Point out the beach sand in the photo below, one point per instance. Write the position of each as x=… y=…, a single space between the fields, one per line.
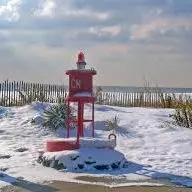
x=59 y=186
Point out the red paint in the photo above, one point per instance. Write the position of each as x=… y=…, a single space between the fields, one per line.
x=60 y=145
x=81 y=57
x=80 y=81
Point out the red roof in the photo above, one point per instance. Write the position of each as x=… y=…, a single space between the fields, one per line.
x=81 y=57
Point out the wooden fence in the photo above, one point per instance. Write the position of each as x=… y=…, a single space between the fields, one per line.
x=22 y=93
x=136 y=99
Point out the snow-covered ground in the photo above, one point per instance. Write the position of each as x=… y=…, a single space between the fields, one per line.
x=153 y=146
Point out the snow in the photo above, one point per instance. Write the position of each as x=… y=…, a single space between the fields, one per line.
x=153 y=146
x=138 y=184
x=83 y=94
x=89 y=142
x=87 y=159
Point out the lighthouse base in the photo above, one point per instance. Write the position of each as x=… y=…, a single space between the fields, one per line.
x=84 y=142
x=84 y=160
x=61 y=145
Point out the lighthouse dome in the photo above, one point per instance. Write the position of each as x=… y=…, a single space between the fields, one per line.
x=81 y=57
x=81 y=61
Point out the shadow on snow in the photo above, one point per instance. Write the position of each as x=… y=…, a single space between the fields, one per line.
x=145 y=170
x=24 y=184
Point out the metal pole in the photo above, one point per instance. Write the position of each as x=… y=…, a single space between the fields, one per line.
x=82 y=120
x=93 y=124
x=79 y=122
x=68 y=114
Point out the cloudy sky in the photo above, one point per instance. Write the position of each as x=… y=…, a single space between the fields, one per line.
x=127 y=41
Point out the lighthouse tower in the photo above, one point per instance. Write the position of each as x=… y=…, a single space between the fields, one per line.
x=80 y=92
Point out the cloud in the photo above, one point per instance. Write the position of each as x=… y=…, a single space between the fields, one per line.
x=58 y=23
x=10 y=10
x=105 y=31
x=179 y=7
x=100 y=35
x=160 y=26
x=140 y=35
x=85 y=13
x=51 y=8
x=47 y=9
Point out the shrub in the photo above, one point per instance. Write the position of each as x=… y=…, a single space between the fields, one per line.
x=112 y=124
x=33 y=94
x=4 y=101
x=55 y=116
x=183 y=113
x=164 y=100
x=98 y=94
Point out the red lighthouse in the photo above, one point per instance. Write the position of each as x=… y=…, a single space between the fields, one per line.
x=81 y=92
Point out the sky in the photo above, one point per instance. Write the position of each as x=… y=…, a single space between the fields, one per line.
x=128 y=42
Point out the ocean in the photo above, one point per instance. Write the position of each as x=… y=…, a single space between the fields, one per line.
x=143 y=89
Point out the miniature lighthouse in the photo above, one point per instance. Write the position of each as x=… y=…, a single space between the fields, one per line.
x=81 y=92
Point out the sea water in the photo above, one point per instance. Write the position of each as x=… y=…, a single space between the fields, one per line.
x=144 y=89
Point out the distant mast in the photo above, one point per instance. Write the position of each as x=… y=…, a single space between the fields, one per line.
x=81 y=61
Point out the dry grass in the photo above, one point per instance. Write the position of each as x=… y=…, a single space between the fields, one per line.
x=112 y=124
x=183 y=112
